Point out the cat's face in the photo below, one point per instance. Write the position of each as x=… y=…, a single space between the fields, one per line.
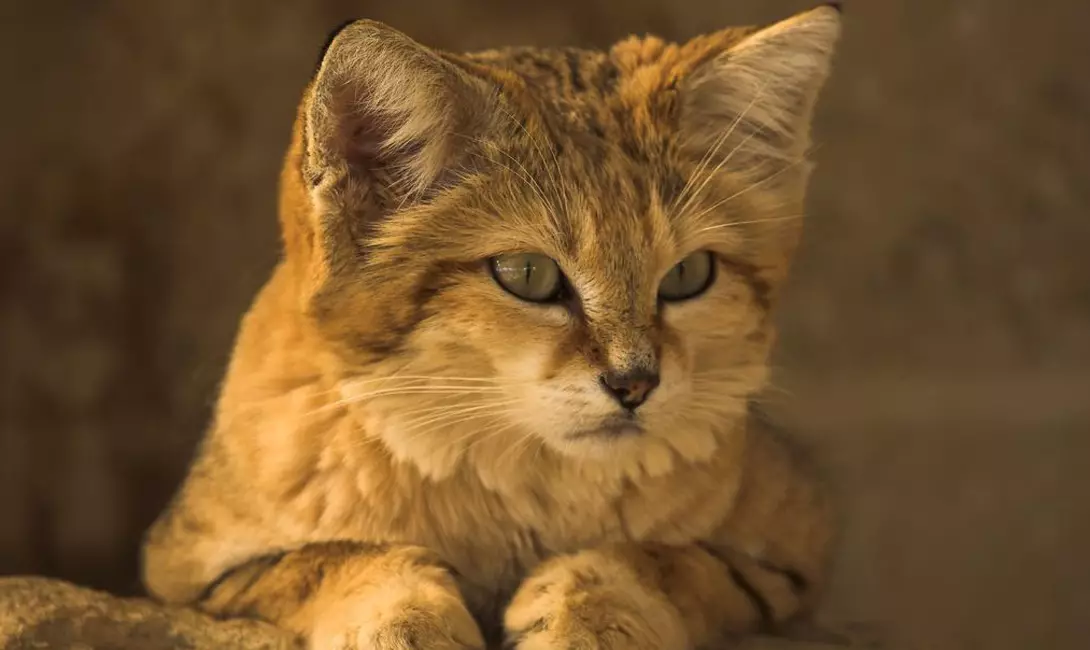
x=593 y=318
x=575 y=250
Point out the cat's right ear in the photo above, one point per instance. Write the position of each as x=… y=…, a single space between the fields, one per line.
x=756 y=99
x=386 y=122
x=386 y=115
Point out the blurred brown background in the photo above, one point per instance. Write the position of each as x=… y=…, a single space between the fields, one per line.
x=936 y=343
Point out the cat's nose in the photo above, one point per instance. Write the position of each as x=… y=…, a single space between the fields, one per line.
x=630 y=389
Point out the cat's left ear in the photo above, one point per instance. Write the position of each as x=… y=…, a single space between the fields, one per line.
x=756 y=98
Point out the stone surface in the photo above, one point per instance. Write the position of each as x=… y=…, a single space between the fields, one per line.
x=40 y=614
x=43 y=614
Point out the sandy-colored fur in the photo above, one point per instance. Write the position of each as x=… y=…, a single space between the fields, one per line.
x=400 y=455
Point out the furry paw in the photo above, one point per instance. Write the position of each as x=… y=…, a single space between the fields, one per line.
x=591 y=601
x=423 y=617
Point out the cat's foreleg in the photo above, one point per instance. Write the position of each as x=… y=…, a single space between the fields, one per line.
x=345 y=595
x=762 y=566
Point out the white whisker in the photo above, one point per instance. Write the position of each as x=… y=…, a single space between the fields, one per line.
x=735 y=224
x=458 y=412
x=749 y=188
x=715 y=149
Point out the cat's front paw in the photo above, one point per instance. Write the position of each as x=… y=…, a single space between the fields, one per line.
x=591 y=601
x=424 y=617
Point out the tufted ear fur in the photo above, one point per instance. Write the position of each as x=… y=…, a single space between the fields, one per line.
x=755 y=100
x=382 y=103
x=384 y=123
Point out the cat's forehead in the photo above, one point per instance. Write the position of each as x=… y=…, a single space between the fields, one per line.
x=582 y=94
x=606 y=219
x=637 y=64
x=602 y=124
x=570 y=73
x=611 y=150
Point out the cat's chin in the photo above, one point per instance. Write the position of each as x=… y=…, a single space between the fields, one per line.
x=600 y=444
x=599 y=438
x=632 y=454
x=639 y=448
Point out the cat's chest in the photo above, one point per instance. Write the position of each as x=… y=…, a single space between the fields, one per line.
x=472 y=524
x=493 y=528
x=492 y=538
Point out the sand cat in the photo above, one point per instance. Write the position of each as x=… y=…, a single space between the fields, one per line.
x=498 y=388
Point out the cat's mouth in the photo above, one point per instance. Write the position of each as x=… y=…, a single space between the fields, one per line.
x=610 y=428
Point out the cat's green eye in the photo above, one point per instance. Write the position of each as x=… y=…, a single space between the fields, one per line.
x=531 y=276
x=689 y=278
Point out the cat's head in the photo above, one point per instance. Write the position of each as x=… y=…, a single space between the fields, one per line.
x=579 y=248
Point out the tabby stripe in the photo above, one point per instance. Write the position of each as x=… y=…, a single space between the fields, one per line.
x=239 y=591
x=575 y=74
x=256 y=567
x=799 y=584
x=440 y=277
x=606 y=77
x=764 y=610
x=760 y=603
x=750 y=274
